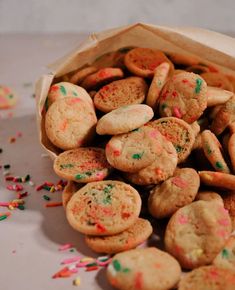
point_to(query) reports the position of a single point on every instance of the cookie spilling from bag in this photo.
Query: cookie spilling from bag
(141, 124)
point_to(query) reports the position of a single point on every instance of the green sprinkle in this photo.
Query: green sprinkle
(63, 90)
(91, 264)
(117, 265)
(63, 166)
(10, 96)
(219, 165)
(72, 250)
(75, 94)
(27, 177)
(126, 270)
(208, 149)
(79, 176)
(46, 197)
(3, 217)
(159, 83)
(138, 156)
(198, 86)
(46, 187)
(178, 148)
(225, 253)
(21, 207)
(163, 106)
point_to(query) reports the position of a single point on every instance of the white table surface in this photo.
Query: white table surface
(30, 239)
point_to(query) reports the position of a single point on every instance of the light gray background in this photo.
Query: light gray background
(95, 15)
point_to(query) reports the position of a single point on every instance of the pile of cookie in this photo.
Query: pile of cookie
(142, 125)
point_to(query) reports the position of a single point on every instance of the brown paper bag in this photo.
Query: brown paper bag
(211, 47)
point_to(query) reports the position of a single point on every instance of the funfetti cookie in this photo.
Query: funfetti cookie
(217, 96)
(218, 179)
(82, 165)
(161, 74)
(70, 123)
(224, 117)
(124, 241)
(162, 168)
(8, 98)
(143, 61)
(120, 93)
(101, 77)
(213, 151)
(178, 132)
(103, 208)
(79, 76)
(69, 190)
(124, 119)
(65, 89)
(197, 232)
(133, 151)
(175, 192)
(208, 278)
(184, 97)
(219, 80)
(144, 269)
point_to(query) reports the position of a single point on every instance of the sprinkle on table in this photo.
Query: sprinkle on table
(53, 204)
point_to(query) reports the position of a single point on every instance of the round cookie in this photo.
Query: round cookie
(183, 59)
(224, 117)
(161, 169)
(66, 89)
(143, 269)
(178, 132)
(217, 96)
(79, 76)
(212, 150)
(70, 123)
(124, 241)
(231, 150)
(208, 278)
(229, 204)
(69, 190)
(82, 165)
(197, 232)
(120, 93)
(218, 179)
(124, 119)
(184, 97)
(8, 98)
(175, 192)
(159, 79)
(226, 258)
(101, 77)
(209, 196)
(103, 208)
(133, 151)
(143, 61)
(219, 80)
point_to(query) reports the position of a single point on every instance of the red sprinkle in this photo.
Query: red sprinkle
(53, 204)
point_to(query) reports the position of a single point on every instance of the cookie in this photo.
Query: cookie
(197, 232)
(8, 98)
(197, 69)
(144, 269)
(209, 196)
(69, 190)
(79, 76)
(226, 258)
(212, 150)
(218, 179)
(82, 165)
(126, 240)
(101, 77)
(224, 117)
(70, 123)
(103, 208)
(231, 150)
(231, 78)
(175, 192)
(208, 278)
(183, 59)
(162, 168)
(184, 97)
(196, 128)
(219, 80)
(229, 204)
(66, 89)
(178, 132)
(133, 151)
(120, 93)
(217, 96)
(198, 142)
(160, 77)
(124, 119)
(143, 61)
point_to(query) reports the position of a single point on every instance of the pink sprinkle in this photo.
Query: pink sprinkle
(179, 182)
(82, 264)
(154, 134)
(100, 175)
(177, 113)
(65, 247)
(71, 260)
(182, 219)
(16, 187)
(222, 233)
(5, 203)
(223, 222)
